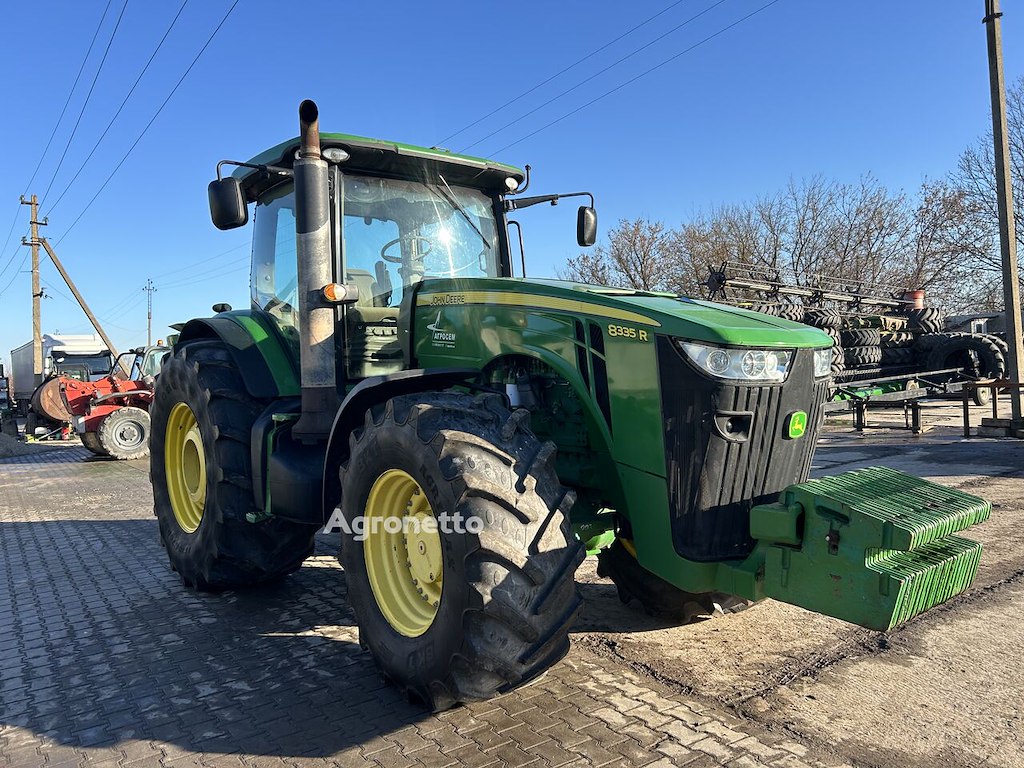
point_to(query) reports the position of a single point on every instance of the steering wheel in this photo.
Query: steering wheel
(405, 239)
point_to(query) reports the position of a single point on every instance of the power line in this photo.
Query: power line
(85, 104)
(208, 275)
(134, 304)
(152, 120)
(53, 133)
(562, 71)
(600, 72)
(14, 252)
(632, 80)
(202, 261)
(16, 273)
(120, 108)
(117, 305)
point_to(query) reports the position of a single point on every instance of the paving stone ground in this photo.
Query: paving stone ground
(107, 660)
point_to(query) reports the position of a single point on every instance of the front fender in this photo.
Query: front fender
(367, 393)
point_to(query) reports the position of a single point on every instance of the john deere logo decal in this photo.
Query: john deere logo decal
(796, 424)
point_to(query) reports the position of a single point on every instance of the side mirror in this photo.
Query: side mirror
(586, 226)
(227, 204)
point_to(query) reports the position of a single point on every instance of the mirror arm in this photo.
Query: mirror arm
(526, 202)
(267, 169)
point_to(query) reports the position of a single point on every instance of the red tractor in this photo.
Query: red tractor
(111, 415)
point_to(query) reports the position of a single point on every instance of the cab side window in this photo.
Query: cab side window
(274, 280)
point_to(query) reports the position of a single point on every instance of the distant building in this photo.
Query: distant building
(979, 322)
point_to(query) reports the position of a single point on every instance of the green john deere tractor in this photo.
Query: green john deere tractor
(472, 433)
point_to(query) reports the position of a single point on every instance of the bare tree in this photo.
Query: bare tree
(975, 179)
(636, 256)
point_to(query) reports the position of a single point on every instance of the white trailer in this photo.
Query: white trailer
(82, 356)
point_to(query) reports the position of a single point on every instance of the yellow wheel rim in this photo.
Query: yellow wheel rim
(185, 467)
(403, 553)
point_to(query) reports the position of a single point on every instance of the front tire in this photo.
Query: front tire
(124, 434)
(202, 418)
(498, 599)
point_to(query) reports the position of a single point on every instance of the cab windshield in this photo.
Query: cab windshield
(411, 230)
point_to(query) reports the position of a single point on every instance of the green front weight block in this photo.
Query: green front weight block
(874, 546)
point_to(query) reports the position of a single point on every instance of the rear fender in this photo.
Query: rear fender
(257, 348)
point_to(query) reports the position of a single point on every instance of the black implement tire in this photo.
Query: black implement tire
(977, 354)
(823, 318)
(999, 343)
(860, 357)
(794, 312)
(898, 356)
(893, 323)
(92, 441)
(657, 597)
(927, 320)
(926, 342)
(507, 593)
(766, 309)
(897, 339)
(225, 551)
(835, 334)
(861, 337)
(838, 360)
(124, 434)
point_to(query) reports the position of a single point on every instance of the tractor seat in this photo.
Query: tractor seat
(371, 331)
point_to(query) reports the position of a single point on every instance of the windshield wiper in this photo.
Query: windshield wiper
(454, 203)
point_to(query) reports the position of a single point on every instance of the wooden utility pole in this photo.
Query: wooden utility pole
(37, 291)
(81, 302)
(1004, 196)
(149, 289)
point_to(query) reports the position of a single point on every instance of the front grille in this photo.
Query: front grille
(716, 475)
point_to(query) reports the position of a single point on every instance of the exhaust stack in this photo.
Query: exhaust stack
(315, 270)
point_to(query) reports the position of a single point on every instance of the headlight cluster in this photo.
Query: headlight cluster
(822, 362)
(740, 364)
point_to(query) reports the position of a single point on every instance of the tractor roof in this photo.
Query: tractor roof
(389, 158)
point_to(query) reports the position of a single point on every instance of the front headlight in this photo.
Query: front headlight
(739, 364)
(822, 362)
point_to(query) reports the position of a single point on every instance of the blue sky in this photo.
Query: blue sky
(800, 88)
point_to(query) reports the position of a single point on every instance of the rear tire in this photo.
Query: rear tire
(223, 550)
(657, 597)
(92, 441)
(504, 603)
(124, 434)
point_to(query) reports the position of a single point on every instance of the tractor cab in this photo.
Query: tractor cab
(400, 214)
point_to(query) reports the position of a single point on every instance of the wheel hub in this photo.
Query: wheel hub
(129, 435)
(403, 554)
(185, 467)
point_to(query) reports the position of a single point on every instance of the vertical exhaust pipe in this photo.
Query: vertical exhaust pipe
(315, 270)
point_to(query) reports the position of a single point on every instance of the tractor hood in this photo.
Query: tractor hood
(660, 313)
